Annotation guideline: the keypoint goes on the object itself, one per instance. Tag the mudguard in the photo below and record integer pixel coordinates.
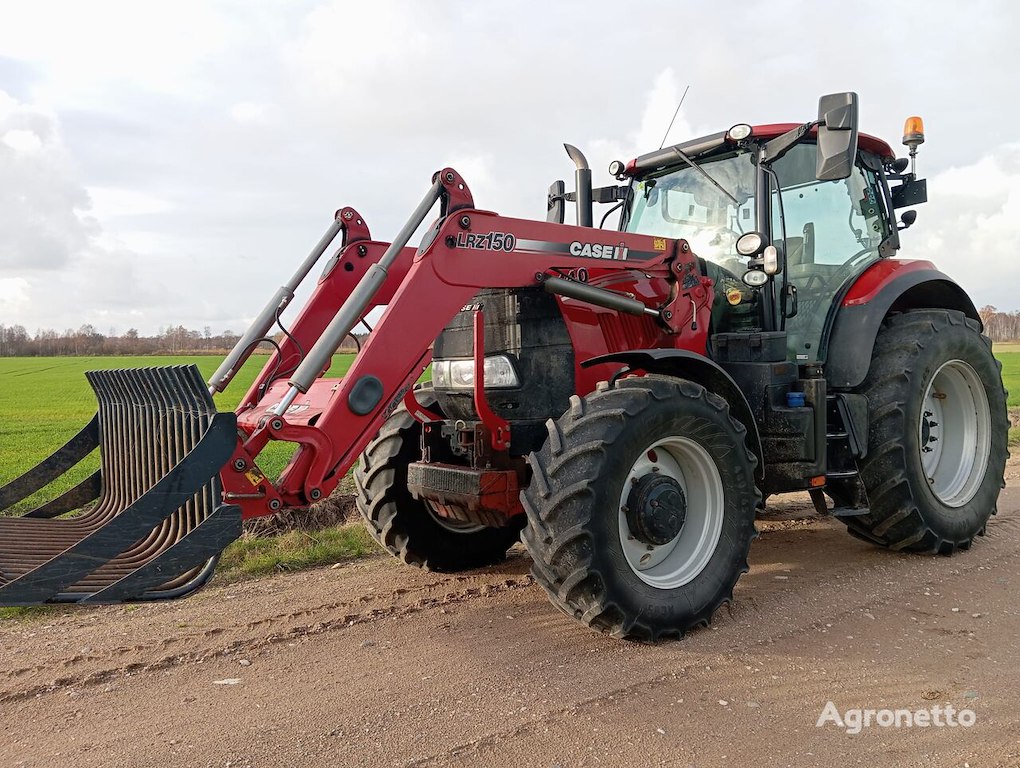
(888, 285)
(699, 369)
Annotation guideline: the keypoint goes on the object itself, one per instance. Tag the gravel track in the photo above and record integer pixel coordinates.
(375, 663)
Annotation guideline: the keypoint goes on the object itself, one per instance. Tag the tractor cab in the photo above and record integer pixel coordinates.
(781, 243)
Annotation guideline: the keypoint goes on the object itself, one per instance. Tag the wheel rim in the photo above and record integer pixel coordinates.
(456, 526)
(954, 433)
(679, 561)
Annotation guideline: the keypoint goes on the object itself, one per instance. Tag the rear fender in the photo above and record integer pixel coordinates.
(699, 369)
(888, 286)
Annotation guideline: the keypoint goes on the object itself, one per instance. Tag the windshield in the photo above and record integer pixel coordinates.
(682, 203)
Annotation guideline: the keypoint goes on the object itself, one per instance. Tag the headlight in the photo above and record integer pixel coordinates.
(460, 374)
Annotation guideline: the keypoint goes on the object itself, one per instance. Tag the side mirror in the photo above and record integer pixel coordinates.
(556, 203)
(906, 219)
(837, 136)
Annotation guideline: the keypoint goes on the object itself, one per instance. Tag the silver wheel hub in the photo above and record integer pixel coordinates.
(954, 433)
(671, 512)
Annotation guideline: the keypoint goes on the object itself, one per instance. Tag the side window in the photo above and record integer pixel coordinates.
(828, 223)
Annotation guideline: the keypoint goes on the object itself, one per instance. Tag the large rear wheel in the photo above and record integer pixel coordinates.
(938, 433)
(641, 508)
(406, 527)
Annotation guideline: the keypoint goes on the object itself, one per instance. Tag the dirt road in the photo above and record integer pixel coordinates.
(374, 663)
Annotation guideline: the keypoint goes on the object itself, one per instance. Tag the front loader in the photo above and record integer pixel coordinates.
(623, 401)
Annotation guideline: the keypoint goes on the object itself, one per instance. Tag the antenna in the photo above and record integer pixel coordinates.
(674, 116)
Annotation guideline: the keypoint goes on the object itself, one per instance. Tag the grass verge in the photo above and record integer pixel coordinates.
(260, 555)
(29, 612)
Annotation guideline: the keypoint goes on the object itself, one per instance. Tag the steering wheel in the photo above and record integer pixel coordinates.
(836, 278)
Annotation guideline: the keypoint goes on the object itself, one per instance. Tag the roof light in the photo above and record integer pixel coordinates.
(739, 132)
(913, 132)
(617, 169)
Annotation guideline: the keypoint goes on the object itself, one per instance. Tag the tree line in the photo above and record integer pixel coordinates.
(1000, 326)
(15, 341)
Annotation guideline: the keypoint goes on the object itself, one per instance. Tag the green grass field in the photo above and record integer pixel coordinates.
(45, 400)
(1011, 376)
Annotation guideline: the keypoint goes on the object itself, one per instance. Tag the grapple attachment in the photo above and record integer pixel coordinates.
(158, 526)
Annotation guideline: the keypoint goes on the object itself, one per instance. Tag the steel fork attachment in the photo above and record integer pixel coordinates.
(159, 525)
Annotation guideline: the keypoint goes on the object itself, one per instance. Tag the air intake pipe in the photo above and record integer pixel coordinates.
(582, 177)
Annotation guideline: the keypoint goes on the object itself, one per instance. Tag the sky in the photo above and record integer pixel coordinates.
(172, 163)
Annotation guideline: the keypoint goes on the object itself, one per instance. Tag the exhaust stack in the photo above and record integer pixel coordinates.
(582, 184)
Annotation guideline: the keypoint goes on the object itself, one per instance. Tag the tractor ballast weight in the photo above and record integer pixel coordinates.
(632, 396)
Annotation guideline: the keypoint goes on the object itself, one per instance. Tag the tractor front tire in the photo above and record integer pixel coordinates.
(641, 508)
(937, 434)
(405, 526)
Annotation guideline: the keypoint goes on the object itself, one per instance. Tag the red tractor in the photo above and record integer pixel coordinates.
(622, 400)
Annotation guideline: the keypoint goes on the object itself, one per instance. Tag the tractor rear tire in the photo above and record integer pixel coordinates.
(938, 433)
(602, 549)
(406, 527)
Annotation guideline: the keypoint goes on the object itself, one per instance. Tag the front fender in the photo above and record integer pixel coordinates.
(887, 286)
(699, 369)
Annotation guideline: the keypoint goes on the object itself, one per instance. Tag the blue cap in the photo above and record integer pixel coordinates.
(795, 399)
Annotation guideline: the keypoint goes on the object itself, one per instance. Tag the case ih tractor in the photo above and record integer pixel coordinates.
(622, 400)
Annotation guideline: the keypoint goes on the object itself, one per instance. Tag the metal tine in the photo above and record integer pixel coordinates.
(182, 416)
(125, 439)
(130, 464)
(205, 408)
(147, 438)
(165, 390)
(107, 446)
(114, 440)
(196, 510)
(111, 445)
(103, 410)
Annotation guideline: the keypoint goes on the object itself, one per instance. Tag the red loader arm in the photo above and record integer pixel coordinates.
(464, 251)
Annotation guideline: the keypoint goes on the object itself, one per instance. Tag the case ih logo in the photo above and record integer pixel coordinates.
(598, 250)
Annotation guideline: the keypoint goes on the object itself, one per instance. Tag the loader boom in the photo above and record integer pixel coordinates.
(464, 251)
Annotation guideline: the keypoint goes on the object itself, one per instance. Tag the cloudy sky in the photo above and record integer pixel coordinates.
(165, 163)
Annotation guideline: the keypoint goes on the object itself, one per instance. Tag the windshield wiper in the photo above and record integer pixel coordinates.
(706, 174)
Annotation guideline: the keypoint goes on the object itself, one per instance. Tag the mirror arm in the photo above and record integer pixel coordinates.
(779, 146)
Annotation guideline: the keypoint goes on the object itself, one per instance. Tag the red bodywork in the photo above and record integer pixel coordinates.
(878, 275)
(423, 292)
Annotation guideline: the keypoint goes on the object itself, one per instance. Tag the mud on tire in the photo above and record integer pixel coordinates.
(405, 526)
(908, 509)
(575, 532)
